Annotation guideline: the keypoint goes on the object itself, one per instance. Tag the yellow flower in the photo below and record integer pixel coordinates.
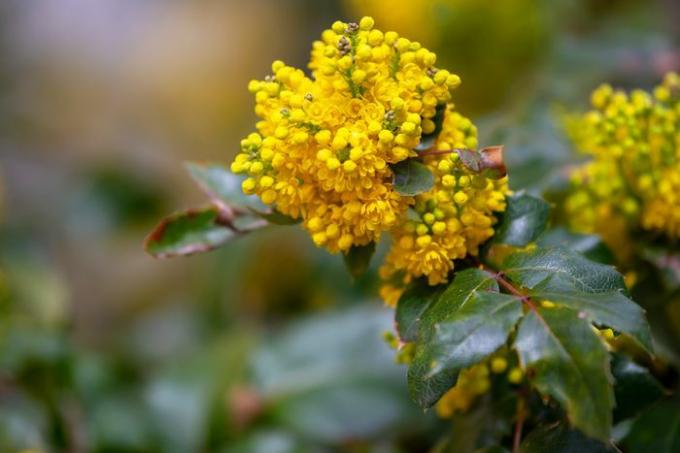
(472, 382)
(324, 143)
(448, 222)
(633, 179)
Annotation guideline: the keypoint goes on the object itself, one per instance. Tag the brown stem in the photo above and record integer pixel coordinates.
(439, 152)
(504, 283)
(519, 424)
(512, 290)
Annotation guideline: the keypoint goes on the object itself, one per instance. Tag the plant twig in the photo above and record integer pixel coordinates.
(512, 290)
(519, 425)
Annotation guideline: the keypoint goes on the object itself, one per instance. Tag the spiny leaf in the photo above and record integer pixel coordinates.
(411, 177)
(529, 268)
(566, 360)
(523, 222)
(475, 323)
(558, 438)
(222, 186)
(427, 141)
(358, 259)
(588, 245)
(411, 306)
(564, 277)
(611, 308)
(188, 232)
(462, 286)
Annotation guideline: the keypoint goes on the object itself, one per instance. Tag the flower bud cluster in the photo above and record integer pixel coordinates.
(448, 222)
(633, 179)
(324, 143)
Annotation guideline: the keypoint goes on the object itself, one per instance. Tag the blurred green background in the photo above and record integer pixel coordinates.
(267, 345)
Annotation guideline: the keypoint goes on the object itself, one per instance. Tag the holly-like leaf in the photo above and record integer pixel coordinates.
(566, 278)
(588, 245)
(529, 268)
(610, 308)
(411, 177)
(557, 438)
(427, 141)
(567, 361)
(635, 387)
(358, 259)
(475, 324)
(186, 233)
(222, 186)
(523, 221)
(411, 306)
(656, 430)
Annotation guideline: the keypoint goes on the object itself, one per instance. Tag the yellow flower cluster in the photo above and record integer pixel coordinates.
(324, 143)
(474, 382)
(633, 179)
(448, 222)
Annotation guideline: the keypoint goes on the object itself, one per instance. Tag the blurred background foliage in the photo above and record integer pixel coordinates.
(267, 345)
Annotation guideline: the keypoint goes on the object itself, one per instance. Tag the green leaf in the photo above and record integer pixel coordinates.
(635, 387)
(330, 377)
(463, 285)
(566, 278)
(358, 259)
(476, 324)
(558, 438)
(529, 268)
(411, 177)
(656, 430)
(186, 233)
(222, 186)
(427, 141)
(588, 245)
(411, 306)
(611, 309)
(566, 360)
(523, 222)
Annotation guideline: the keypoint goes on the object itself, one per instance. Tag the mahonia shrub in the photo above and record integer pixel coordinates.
(497, 317)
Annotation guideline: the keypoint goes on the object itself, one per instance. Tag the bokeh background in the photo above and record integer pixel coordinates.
(267, 345)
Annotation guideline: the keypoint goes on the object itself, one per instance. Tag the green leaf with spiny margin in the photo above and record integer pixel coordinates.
(476, 323)
(566, 278)
(222, 186)
(635, 388)
(558, 438)
(411, 306)
(523, 221)
(427, 141)
(411, 177)
(462, 286)
(358, 258)
(612, 309)
(188, 232)
(566, 360)
(531, 267)
(588, 245)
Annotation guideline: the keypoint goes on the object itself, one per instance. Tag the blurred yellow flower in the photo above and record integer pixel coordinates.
(633, 179)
